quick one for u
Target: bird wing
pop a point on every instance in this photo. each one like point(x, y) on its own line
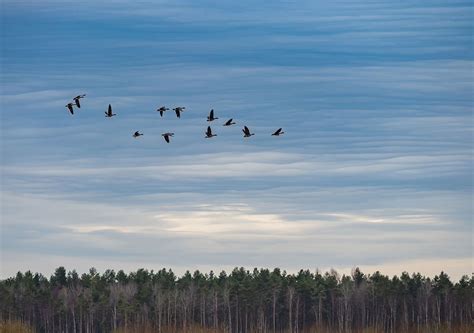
point(177, 113)
point(69, 106)
point(77, 102)
point(161, 113)
point(109, 111)
point(167, 138)
point(246, 130)
point(211, 114)
point(209, 131)
point(278, 131)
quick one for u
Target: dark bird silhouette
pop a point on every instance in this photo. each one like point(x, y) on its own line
point(178, 111)
point(137, 134)
point(70, 107)
point(211, 116)
point(109, 113)
point(77, 98)
point(247, 132)
point(229, 122)
point(278, 132)
point(209, 133)
point(167, 136)
point(161, 110)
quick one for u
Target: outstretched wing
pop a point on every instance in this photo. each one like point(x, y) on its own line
point(246, 130)
point(77, 102)
point(178, 114)
point(211, 114)
point(161, 113)
point(209, 131)
point(71, 110)
point(277, 131)
point(109, 111)
point(167, 138)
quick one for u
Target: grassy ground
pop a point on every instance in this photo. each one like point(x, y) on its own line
point(196, 329)
point(15, 327)
point(18, 327)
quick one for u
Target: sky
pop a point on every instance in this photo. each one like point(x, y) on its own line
point(374, 169)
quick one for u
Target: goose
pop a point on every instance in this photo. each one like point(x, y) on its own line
point(167, 136)
point(278, 132)
point(178, 111)
point(109, 113)
point(209, 133)
point(161, 110)
point(70, 107)
point(247, 132)
point(211, 116)
point(137, 134)
point(77, 98)
point(229, 122)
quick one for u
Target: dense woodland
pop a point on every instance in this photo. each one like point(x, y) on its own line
point(242, 301)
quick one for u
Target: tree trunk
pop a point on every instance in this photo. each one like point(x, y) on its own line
point(291, 293)
point(274, 311)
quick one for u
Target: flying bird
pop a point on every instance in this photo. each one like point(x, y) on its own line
point(167, 136)
point(77, 98)
point(70, 107)
point(209, 133)
point(211, 116)
point(247, 132)
point(278, 132)
point(161, 110)
point(109, 113)
point(178, 111)
point(137, 134)
point(229, 122)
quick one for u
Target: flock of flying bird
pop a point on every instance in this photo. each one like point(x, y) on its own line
point(108, 114)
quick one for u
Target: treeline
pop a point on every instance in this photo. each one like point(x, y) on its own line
point(243, 301)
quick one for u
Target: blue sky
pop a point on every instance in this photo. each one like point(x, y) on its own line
point(374, 169)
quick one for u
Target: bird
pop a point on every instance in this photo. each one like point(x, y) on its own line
point(167, 136)
point(161, 110)
point(137, 134)
point(77, 98)
point(247, 132)
point(178, 111)
point(229, 122)
point(209, 133)
point(278, 132)
point(211, 116)
point(70, 107)
point(109, 113)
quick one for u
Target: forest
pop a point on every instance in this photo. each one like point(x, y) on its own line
point(258, 300)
